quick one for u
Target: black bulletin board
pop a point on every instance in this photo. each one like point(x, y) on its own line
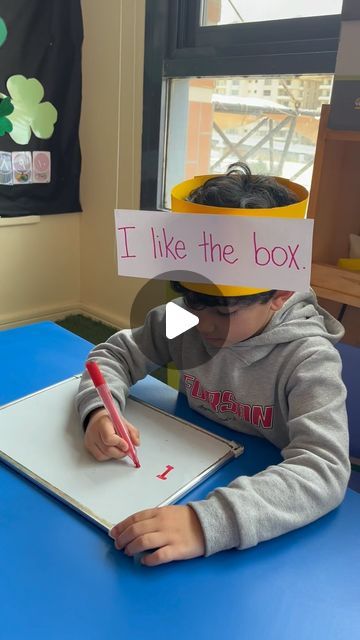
point(43, 41)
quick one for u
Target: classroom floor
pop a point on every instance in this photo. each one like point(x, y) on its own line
point(96, 332)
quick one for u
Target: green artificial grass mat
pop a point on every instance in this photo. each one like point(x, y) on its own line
point(96, 332)
point(91, 330)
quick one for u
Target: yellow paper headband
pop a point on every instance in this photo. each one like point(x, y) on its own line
point(180, 204)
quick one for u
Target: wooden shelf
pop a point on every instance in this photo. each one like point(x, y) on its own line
point(345, 136)
point(335, 207)
point(336, 284)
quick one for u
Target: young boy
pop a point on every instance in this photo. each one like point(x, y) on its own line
point(274, 373)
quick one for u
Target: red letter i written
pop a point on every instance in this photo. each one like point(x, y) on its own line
point(124, 229)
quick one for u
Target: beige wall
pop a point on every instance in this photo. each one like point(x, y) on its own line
point(110, 132)
point(39, 268)
point(66, 263)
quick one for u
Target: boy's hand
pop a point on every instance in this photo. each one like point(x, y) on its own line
point(175, 532)
point(101, 439)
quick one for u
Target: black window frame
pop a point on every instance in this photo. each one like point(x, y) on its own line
point(177, 46)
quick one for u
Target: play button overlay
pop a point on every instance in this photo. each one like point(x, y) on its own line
point(178, 320)
point(164, 323)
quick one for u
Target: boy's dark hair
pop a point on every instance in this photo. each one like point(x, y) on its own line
point(197, 301)
point(237, 189)
point(240, 189)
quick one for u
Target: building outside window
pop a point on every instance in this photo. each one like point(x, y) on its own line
point(223, 12)
point(274, 135)
point(258, 101)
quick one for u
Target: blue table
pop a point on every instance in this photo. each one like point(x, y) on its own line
point(60, 577)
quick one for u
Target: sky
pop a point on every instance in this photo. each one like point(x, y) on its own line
point(252, 11)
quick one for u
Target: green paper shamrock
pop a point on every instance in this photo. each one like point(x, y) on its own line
point(30, 114)
point(5, 109)
point(3, 32)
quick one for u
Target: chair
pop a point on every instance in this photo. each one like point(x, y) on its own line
point(350, 357)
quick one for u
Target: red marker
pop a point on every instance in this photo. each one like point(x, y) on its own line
point(105, 395)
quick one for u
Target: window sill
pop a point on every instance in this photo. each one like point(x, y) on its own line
point(15, 222)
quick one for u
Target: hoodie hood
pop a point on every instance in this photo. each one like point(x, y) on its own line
point(301, 317)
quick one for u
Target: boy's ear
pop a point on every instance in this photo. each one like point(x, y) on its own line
point(279, 298)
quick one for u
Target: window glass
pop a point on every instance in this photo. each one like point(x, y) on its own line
point(219, 12)
point(269, 122)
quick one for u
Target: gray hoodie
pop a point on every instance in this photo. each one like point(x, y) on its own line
point(283, 385)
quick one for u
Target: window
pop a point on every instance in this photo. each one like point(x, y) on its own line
point(207, 131)
point(205, 102)
point(220, 12)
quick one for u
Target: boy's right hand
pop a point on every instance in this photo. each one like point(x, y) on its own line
point(101, 439)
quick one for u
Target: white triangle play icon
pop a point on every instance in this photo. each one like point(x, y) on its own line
point(178, 320)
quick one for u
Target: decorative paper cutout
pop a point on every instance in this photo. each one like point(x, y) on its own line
point(22, 167)
point(25, 113)
point(6, 108)
point(25, 167)
point(3, 32)
point(30, 114)
point(41, 166)
point(6, 170)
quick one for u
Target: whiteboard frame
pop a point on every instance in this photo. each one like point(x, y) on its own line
point(235, 449)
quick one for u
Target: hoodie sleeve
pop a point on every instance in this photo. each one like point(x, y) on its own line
point(125, 358)
point(312, 479)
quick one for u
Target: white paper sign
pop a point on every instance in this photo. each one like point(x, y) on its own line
point(272, 253)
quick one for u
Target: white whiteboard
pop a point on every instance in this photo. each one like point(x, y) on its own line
point(41, 436)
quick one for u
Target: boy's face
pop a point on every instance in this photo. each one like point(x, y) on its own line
point(225, 326)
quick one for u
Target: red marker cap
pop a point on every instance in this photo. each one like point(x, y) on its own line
point(95, 373)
